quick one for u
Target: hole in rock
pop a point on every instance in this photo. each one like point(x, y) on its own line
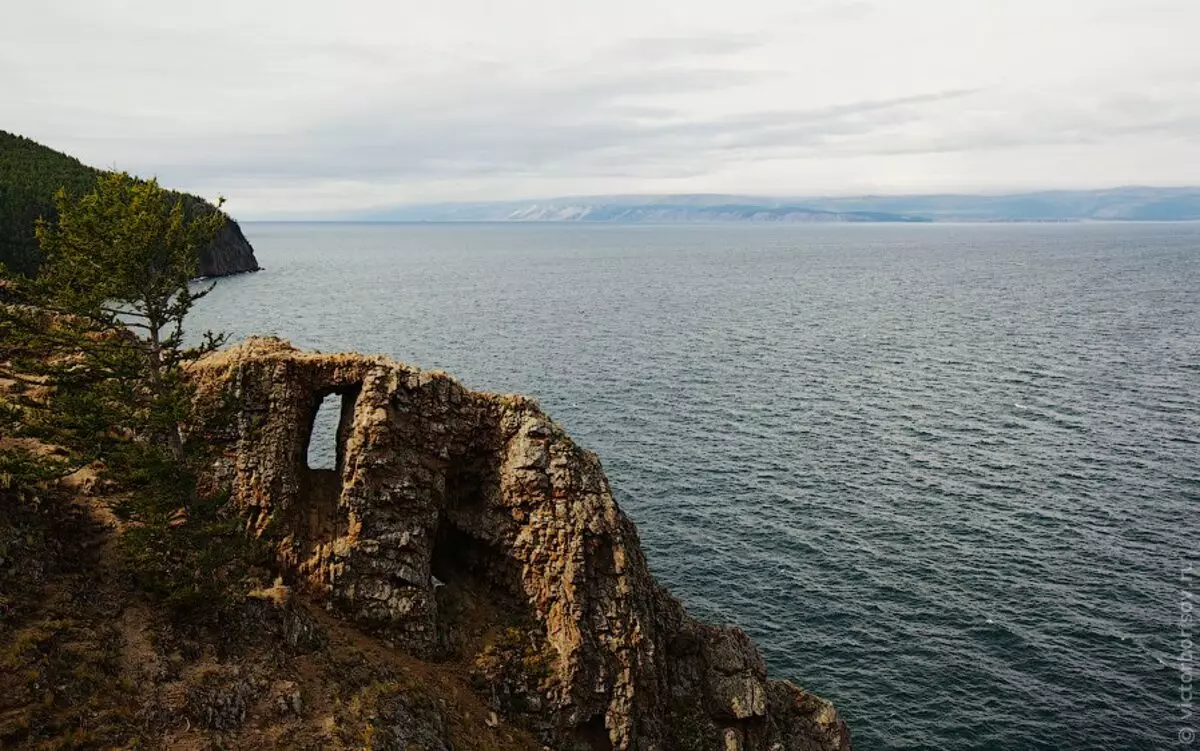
point(324, 454)
point(322, 438)
point(329, 428)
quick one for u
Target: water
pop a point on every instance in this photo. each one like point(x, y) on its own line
point(946, 476)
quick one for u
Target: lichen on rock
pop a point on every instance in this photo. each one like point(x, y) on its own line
point(468, 526)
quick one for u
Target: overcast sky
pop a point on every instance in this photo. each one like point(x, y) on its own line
point(298, 107)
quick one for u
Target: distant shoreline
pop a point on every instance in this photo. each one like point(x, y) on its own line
point(1129, 204)
point(577, 223)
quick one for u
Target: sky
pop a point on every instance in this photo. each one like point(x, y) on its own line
point(299, 108)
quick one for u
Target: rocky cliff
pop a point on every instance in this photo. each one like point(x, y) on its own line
point(230, 253)
point(469, 529)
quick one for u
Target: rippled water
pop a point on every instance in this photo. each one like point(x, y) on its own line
point(945, 475)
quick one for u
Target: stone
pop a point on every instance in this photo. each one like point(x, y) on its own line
point(229, 253)
point(285, 695)
point(453, 514)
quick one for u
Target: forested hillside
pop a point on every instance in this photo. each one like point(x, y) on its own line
point(31, 173)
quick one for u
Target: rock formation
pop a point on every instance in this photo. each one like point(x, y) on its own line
point(229, 253)
point(468, 527)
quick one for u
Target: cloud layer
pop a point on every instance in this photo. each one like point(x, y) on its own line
point(304, 108)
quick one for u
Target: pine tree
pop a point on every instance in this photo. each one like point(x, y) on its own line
point(103, 320)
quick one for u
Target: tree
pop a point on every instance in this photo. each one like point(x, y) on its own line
point(103, 320)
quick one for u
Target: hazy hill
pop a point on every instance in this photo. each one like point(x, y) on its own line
point(650, 209)
point(31, 173)
point(1129, 204)
point(1116, 204)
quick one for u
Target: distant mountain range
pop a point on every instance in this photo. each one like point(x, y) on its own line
point(1116, 204)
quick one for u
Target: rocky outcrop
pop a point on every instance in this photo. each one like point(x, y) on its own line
point(229, 253)
point(468, 527)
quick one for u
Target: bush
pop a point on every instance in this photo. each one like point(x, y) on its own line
point(182, 550)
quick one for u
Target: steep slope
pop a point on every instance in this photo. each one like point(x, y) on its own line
point(89, 661)
point(469, 529)
point(31, 173)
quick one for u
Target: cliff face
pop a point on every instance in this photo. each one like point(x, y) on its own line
point(230, 253)
point(467, 528)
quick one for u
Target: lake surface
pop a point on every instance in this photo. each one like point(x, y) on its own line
point(946, 476)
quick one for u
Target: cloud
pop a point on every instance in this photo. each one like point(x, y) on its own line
point(652, 50)
point(578, 130)
point(369, 102)
point(838, 11)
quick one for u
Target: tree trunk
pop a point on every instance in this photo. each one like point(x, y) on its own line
point(174, 435)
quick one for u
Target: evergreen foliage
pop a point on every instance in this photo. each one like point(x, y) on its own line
point(31, 175)
point(93, 352)
point(103, 321)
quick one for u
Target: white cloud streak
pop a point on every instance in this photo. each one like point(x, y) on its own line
point(305, 108)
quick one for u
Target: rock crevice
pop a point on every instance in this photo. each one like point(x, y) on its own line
point(464, 525)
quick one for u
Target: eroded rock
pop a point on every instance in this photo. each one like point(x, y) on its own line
point(464, 525)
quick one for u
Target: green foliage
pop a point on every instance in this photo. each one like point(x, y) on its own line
point(103, 321)
point(21, 473)
point(181, 549)
point(197, 568)
point(23, 536)
point(99, 337)
point(30, 177)
point(127, 242)
point(30, 174)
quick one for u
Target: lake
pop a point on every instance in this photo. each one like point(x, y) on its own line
point(945, 475)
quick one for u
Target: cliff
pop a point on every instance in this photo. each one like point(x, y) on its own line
point(467, 529)
point(31, 173)
point(230, 253)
